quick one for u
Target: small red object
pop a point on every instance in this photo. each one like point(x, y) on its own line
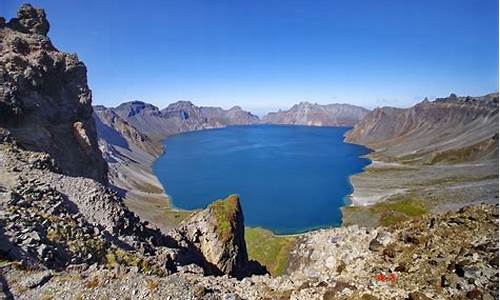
point(393, 277)
point(381, 277)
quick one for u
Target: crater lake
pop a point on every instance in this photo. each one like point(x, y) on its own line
point(290, 179)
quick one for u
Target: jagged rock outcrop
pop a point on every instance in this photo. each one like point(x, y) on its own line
point(30, 20)
point(306, 113)
point(453, 129)
point(45, 102)
point(218, 233)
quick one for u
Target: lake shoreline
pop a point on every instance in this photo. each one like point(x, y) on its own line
point(174, 208)
point(137, 199)
point(294, 162)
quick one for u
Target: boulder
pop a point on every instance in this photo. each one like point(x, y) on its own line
point(380, 241)
point(217, 233)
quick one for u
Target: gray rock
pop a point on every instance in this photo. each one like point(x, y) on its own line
point(37, 279)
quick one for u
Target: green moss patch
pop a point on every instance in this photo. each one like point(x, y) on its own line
point(225, 212)
point(173, 217)
point(269, 249)
point(389, 212)
point(466, 153)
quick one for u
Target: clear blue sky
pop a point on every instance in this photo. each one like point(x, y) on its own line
point(268, 54)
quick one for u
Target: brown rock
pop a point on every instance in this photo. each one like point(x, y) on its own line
point(418, 296)
point(45, 102)
point(218, 233)
point(474, 294)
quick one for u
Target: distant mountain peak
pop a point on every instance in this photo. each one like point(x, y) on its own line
point(181, 103)
point(307, 113)
point(134, 107)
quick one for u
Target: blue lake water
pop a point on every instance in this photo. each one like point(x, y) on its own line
point(290, 178)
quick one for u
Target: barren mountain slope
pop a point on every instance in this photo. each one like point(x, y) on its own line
point(429, 130)
point(436, 155)
point(130, 155)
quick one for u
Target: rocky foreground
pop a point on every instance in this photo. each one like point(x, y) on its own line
point(65, 232)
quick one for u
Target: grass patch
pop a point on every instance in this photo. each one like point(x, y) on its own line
point(92, 283)
point(466, 153)
point(411, 208)
point(394, 210)
point(151, 284)
point(225, 212)
point(269, 249)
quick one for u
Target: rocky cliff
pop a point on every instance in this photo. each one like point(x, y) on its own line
point(306, 113)
point(45, 103)
point(130, 154)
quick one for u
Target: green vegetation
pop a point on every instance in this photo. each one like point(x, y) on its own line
point(466, 153)
point(269, 249)
point(225, 211)
point(394, 210)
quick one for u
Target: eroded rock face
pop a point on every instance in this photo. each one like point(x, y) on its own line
point(116, 131)
point(447, 130)
point(218, 233)
point(45, 102)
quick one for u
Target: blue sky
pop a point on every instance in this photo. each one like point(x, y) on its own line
point(269, 54)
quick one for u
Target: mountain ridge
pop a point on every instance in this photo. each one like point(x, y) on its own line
point(427, 127)
point(307, 113)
